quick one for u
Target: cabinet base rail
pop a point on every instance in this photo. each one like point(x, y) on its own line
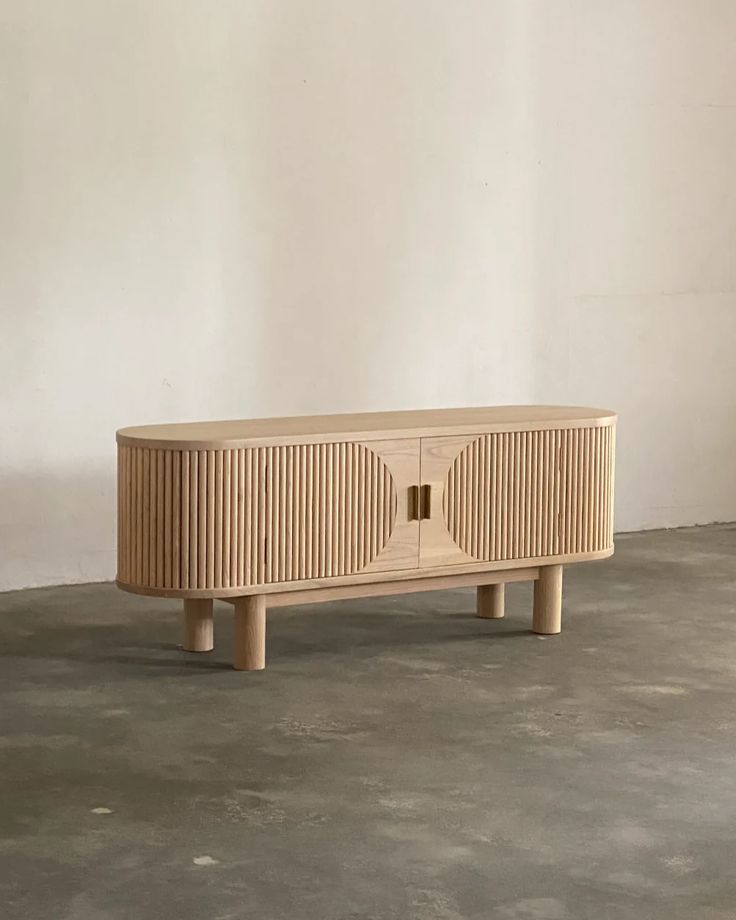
point(250, 609)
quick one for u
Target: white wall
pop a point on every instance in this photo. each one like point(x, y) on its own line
point(635, 240)
point(263, 207)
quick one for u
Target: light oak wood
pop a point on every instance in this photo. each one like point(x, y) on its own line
point(365, 578)
point(366, 426)
point(490, 601)
point(363, 504)
point(513, 495)
point(199, 625)
point(247, 517)
point(250, 633)
point(383, 588)
point(547, 618)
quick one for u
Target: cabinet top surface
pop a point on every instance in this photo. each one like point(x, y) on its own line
point(364, 426)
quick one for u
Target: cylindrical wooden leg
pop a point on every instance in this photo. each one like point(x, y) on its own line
point(250, 633)
point(547, 618)
point(199, 625)
point(490, 602)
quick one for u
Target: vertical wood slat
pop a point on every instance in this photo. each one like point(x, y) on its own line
point(261, 536)
point(480, 516)
point(290, 488)
point(194, 519)
point(251, 515)
point(208, 511)
point(551, 474)
point(557, 494)
point(273, 513)
point(585, 524)
point(235, 513)
point(306, 500)
point(129, 519)
point(174, 575)
point(567, 499)
point(120, 525)
point(124, 525)
point(535, 504)
point(182, 576)
point(269, 534)
point(524, 522)
point(329, 522)
point(138, 539)
point(349, 507)
point(341, 513)
point(601, 490)
point(515, 493)
point(157, 523)
point(145, 563)
point(245, 563)
point(573, 540)
point(512, 495)
point(223, 527)
point(497, 460)
point(375, 499)
point(123, 529)
point(126, 564)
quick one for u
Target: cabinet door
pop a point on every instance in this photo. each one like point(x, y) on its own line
point(494, 497)
point(390, 525)
point(338, 509)
point(517, 495)
point(220, 520)
point(437, 543)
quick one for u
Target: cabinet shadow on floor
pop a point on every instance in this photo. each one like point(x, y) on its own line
point(100, 625)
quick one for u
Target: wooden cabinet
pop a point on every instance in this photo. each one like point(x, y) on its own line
point(298, 509)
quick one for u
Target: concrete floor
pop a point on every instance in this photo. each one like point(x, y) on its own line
point(399, 759)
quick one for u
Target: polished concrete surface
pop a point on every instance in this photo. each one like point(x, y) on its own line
point(399, 759)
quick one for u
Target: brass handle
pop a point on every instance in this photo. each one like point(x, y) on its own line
point(413, 503)
point(425, 505)
point(419, 503)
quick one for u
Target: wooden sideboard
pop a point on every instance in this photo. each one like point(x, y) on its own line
point(270, 512)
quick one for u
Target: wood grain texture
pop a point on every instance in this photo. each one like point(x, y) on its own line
point(365, 426)
point(516, 495)
point(199, 625)
point(490, 601)
point(382, 588)
point(249, 653)
point(364, 580)
point(547, 616)
point(220, 519)
point(212, 521)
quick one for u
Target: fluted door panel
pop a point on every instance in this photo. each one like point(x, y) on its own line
point(513, 495)
point(223, 519)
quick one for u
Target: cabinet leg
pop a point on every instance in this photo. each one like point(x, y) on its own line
point(199, 625)
point(490, 601)
point(547, 619)
point(250, 633)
